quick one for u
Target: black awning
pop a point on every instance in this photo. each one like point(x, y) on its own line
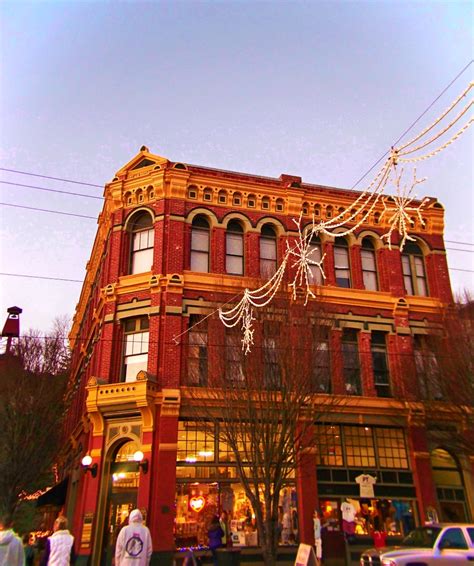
point(54, 496)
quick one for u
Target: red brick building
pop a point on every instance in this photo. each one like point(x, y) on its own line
point(176, 241)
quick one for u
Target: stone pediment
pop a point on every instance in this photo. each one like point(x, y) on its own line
point(143, 162)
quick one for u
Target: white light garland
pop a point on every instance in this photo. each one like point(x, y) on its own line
point(398, 209)
point(400, 218)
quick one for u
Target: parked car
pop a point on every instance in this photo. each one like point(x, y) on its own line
point(437, 544)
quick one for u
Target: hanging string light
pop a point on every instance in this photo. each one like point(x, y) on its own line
point(398, 209)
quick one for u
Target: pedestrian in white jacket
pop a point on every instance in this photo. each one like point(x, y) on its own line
point(11, 548)
point(59, 549)
point(133, 543)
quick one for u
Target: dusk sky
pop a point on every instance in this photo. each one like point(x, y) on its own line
point(316, 89)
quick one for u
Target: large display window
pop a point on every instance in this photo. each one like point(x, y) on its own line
point(208, 485)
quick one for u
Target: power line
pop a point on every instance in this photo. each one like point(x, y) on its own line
point(457, 269)
point(49, 177)
point(461, 250)
point(47, 210)
point(41, 277)
point(415, 122)
point(460, 243)
point(35, 187)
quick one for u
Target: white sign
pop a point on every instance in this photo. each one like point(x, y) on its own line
point(305, 556)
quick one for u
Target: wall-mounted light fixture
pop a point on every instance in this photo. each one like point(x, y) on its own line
point(142, 462)
point(89, 466)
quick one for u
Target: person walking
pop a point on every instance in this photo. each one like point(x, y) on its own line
point(134, 546)
point(29, 548)
point(59, 550)
point(318, 543)
point(11, 548)
point(215, 534)
point(224, 523)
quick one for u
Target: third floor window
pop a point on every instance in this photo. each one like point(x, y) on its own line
point(142, 236)
point(200, 245)
point(268, 252)
point(234, 252)
point(341, 263)
point(413, 266)
point(369, 265)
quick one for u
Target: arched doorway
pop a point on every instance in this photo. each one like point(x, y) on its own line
point(449, 487)
point(122, 487)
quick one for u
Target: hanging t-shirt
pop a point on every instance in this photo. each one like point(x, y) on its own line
point(366, 485)
point(348, 512)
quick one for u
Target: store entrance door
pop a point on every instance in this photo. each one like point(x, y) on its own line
point(121, 498)
point(120, 507)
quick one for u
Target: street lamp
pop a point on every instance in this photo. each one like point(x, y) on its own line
point(88, 465)
point(140, 459)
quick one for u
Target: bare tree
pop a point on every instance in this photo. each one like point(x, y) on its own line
point(263, 406)
point(32, 389)
point(442, 377)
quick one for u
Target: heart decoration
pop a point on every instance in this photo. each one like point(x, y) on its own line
point(197, 503)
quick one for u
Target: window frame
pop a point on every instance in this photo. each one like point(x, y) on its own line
point(350, 349)
point(197, 229)
point(368, 249)
point(411, 259)
point(138, 326)
point(268, 238)
point(378, 351)
point(147, 231)
point(198, 342)
point(233, 233)
point(340, 247)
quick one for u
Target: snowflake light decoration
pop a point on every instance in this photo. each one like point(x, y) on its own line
point(401, 210)
point(302, 251)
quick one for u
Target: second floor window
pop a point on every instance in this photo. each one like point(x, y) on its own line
point(369, 265)
point(268, 252)
point(234, 252)
point(233, 357)
point(380, 364)
point(321, 368)
point(142, 235)
point(427, 368)
point(271, 362)
point(135, 356)
point(413, 267)
point(200, 245)
point(341, 263)
point(197, 351)
point(351, 362)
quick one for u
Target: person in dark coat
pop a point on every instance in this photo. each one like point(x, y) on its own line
point(215, 534)
point(29, 548)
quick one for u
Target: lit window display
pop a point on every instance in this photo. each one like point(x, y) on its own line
point(359, 516)
point(198, 502)
point(208, 484)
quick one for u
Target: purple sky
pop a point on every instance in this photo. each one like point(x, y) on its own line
point(316, 89)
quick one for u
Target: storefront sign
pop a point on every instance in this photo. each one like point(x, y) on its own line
point(87, 530)
point(366, 484)
point(197, 503)
point(305, 556)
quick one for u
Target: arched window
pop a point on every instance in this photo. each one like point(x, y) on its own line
point(234, 252)
point(369, 265)
point(200, 245)
point(268, 251)
point(341, 263)
point(315, 255)
point(142, 233)
point(413, 267)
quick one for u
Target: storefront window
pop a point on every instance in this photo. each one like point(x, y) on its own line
point(195, 443)
point(396, 517)
point(359, 446)
point(391, 448)
point(198, 502)
point(329, 445)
